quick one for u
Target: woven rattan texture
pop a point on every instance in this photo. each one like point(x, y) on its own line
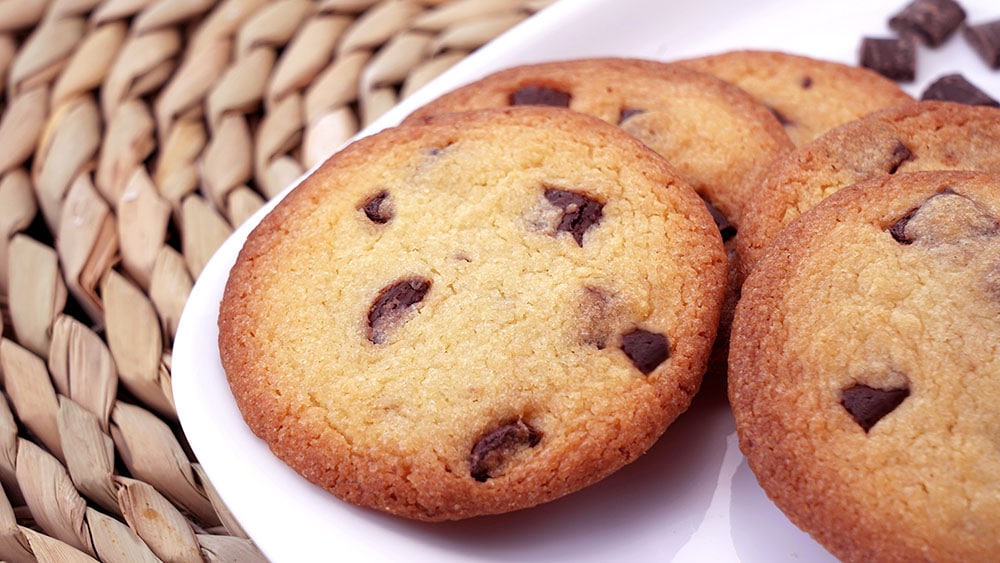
point(134, 136)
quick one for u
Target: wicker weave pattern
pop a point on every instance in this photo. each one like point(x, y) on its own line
point(134, 135)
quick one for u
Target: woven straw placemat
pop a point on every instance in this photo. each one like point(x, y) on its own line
point(134, 136)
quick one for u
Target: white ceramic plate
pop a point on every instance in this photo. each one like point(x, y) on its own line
point(692, 497)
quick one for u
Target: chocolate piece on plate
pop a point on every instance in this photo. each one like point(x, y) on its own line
point(929, 21)
point(985, 40)
point(894, 58)
point(956, 88)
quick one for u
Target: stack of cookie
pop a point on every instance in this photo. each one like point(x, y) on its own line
point(513, 294)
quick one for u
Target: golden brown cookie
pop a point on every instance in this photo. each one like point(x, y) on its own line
point(719, 138)
point(865, 370)
point(919, 136)
point(474, 315)
point(809, 96)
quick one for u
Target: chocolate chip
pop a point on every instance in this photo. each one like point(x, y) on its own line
point(868, 405)
point(929, 21)
point(392, 304)
point(894, 58)
point(627, 113)
point(647, 350)
point(378, 208)
point(955, 88)
point(495, 447)
point(726, 229)
point(985, 41)
point(580, 212)
point(900, 154)
point(784, 121)
point(944, 218)
point(540, 96)
point(898, 229)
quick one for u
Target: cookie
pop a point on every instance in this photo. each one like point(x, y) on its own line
point(809, 96)
point(864, 370)
point(920, 136)
point(474, 315)
point(719, 138)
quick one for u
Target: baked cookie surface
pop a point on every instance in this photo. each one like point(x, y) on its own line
point(913, 137)
point(718, 137)
point(865, 369)
point(809, 96)
point(474, 315)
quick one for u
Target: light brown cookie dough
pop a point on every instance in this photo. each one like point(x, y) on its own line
point(719, 138)
point(865, 369)
point(913, 137)
point(809, 96)
point(474, 315)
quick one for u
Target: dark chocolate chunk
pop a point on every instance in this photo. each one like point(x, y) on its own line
point(868, 405)
point(955, 88)
point(726, 229)
point(898, 229)
point(494, 448)
point(392, 304)
point(894, 58)
point(627, 113)
point(985, 41)
point(929, 21)
point(378, 208)
point(580, 212)
point(784, 121)
point(900, 154)
point(933, 221)
point(647, 350)
point(540, 96)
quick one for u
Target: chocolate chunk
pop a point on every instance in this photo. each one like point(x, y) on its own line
point(378, 208)
point(898, 229)
point(726, 229)
point(494, 448)
point(944, 218)
point(647, 350)
point(540, 96)
point(392, 304)
point(955, 88)
point(900, 154)
point(784, 121)
point(868, 405)
point(896, 59)
point(580, 212)
point(627, 113)
point(928, 21)
point(985, 41)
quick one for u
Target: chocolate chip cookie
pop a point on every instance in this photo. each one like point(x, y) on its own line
point(474, 315)
point(809, 96)
point(718, 137)
point(920, 136)
point(865, 370)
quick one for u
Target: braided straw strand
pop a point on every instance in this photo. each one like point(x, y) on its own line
point(137, 135)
